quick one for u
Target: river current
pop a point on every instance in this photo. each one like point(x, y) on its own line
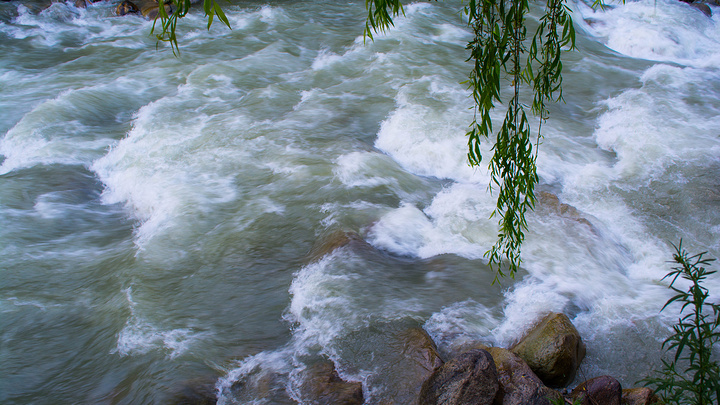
point(158, 214)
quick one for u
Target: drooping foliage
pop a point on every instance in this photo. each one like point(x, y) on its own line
point(691, 376)
point(176, 9)
point(504, 60)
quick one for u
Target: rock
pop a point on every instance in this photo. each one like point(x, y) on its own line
point(518, 384)
point(470, 378)
point(702, 7)
point(324, 386)
point(335, 240)
point(84, 3)
point(551, 202)
point(399, 354)
point(152, 10)
point(712, 2)
point(125, 8)
point(553, 349)
point(639, 396)
point(603, 390)
point(266, 385)
point(196, 392)
point(421, 349)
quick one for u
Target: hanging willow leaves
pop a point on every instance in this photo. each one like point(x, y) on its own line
point(500, 53)
point(179, 9)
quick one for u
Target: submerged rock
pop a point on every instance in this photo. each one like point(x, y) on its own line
point(640, 396)
point(470, 378)
point(553, 349)
point(196, 392)
point(518, 384)
point(551, 202)
point(603, 390)
point(324, 386)
point(335, 240)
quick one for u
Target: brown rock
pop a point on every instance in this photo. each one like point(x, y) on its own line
point(640, 396)
point(518, 384)
point(335, 240)
point(551, 202)
point(152, 12)
point(421, 349)
point(470, 378)
point(553, 349)
point(420, 358)
point(324, 386)
point(126, 7)
point(603, 390)
point(702, 7)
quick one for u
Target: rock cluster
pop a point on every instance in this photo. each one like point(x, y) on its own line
point(548, 356)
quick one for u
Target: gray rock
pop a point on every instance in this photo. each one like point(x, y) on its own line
point(518, 384)
point(470, 378)
point(553, 349)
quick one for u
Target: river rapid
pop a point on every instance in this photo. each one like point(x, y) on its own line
point(157, 213)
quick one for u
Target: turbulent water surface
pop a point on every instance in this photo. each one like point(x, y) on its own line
point(158, 214)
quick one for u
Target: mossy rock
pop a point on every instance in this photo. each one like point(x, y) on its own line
point(553, 349)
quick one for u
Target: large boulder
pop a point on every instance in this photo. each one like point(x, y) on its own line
point(640, 396)
point(470, 378)
point(518, 384)
point(420, 349)
point(603, 390)
point(323, 386)
point(553, 349)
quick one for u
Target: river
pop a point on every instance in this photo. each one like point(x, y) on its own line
point(157, 213)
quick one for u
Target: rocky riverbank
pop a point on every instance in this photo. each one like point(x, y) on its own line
point(534, 371)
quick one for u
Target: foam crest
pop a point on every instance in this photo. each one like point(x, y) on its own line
point(168, 169)
point(75, 127)
point(139, 336)
point(457, 221)
point(425, 136)
point(671, 118)
point(62, 24)
point(361, 169)
point(660, 30)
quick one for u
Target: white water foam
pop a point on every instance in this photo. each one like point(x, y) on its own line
point(139, 336)
point(672, 118)
point(662, 30)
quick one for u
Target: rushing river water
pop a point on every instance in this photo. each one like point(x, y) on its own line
point(157, 214)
